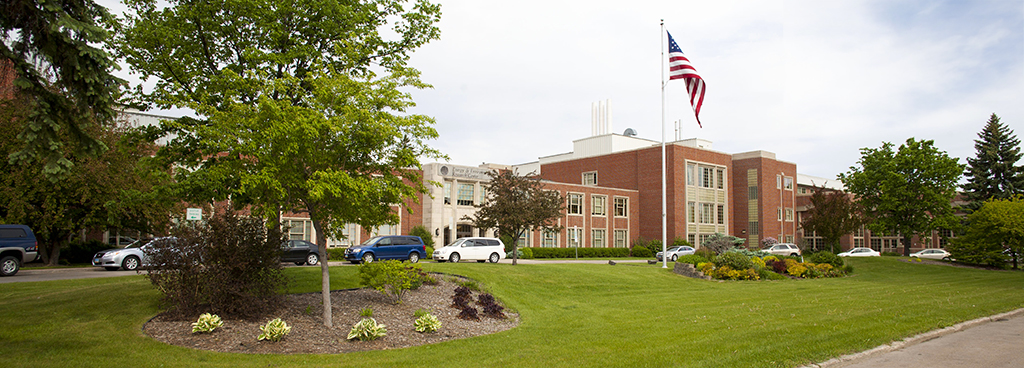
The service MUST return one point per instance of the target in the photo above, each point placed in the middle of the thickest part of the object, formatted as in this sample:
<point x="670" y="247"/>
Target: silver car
<point x="130" y="257"/>
<point x="932" y="254"/>
<point x="676" y="252"/>
<point x="783" y="249"/>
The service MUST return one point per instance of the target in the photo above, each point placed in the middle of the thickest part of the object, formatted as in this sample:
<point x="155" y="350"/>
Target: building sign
<point x="194" y="214"/>
<point x="464" y="172"/>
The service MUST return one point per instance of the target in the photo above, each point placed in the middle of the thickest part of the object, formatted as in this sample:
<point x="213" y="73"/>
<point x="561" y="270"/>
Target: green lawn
<point x="573" y="315"/>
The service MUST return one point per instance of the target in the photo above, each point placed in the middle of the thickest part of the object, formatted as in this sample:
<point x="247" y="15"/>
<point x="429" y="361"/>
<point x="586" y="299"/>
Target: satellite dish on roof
<point x="629" y="132"/>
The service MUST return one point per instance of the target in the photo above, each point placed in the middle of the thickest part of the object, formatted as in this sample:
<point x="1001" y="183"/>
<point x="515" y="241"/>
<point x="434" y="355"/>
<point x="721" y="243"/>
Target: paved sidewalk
<point x="989" y="342"/>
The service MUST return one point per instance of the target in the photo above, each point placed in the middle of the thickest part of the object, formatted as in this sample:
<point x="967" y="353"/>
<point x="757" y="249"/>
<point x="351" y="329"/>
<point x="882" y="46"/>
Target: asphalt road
<point x="29" y="275"/>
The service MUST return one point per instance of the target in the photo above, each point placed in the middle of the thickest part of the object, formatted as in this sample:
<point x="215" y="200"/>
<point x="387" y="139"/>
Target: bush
<point x="693" y="259"/>
<point x="641" y="252"/>
<point x="890" y="254"/>
<point x="490" y="306"/>
<point x="336" y="254"/>
<point x="706" y="253"/>
<point x="679" y="241"/>
<point x="734" y="260"/>
<point x="527" y="253"/>
<point x="275" y="330"/>
<point x="391" y="278"/>
<point x="82" y="252"/>
<point x="229" y="265"/>
<point x="827" y="257"/>
<point x="367" y="329"/>
<point x="580" y="252"/>
<point x="767" y="274"/>
<point x="423" y="233"/>
<point x="720" y="243"/>
<point x="207" y="323"/>
<point x="427" y="323"/>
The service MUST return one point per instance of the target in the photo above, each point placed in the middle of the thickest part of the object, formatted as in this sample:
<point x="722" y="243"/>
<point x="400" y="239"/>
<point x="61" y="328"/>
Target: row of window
<point x="465" y="194"/>
<point x="783" y="182"/>
<point x="598" y="238"/>
<point x="705" y="176"/>
<point x="598" y="205"/>
<point x="705" y="213"/>
<point x="789" y="214"/>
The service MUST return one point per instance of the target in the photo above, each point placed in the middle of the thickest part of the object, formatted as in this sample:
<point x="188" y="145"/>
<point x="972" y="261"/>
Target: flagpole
<point x="664" y="195"/>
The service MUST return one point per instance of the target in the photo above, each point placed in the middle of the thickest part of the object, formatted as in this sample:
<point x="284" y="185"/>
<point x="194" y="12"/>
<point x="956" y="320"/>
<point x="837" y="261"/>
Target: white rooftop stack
<point x="601" y="118"/>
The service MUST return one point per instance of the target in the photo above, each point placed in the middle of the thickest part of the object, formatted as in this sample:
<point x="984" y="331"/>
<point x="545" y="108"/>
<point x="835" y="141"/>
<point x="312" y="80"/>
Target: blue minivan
<point x="402" y="247"/>
<point x="18" y="245"/>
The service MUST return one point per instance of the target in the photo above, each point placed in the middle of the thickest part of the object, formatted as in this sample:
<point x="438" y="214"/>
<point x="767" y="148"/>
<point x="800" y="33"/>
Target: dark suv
<point x="17" y="246"/>
<point x="387" y="247"/>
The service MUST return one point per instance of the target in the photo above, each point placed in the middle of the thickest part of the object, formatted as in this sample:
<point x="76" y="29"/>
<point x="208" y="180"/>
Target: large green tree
<point x="516" y="204"/>
<point x="53" y="49"/>
<point x="301" y="104"/>
<point x="994" y="171"/>
<point x="120" y="188"/>
<point x="831" y="215"/>
<point x="994" y="228"/>
<point x="907" y="191"/>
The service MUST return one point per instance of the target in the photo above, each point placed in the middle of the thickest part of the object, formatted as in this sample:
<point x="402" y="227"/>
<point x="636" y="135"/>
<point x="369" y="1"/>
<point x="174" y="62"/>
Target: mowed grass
<point x="573" y="315"/>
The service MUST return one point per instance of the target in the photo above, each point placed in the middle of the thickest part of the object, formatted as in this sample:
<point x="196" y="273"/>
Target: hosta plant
<point x="207" y="323"/>
<point x="274" y="330"/>
<point x="427" y="323"/>
<point x="367" y="329"/>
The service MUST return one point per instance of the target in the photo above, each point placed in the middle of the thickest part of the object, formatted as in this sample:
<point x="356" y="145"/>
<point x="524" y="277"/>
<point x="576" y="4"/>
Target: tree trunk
<point x="906" y="245"/>
<point x="325" y="274"/>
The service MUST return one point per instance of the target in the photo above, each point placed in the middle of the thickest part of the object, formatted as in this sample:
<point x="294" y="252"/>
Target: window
<point x="597" y="238"/>
<point x="720" y="178"/>
<point x="778" y="211"/>
<point x="691" y="212"/>
<point x="465" y="195"/>
<point x="778" y="181"/>
<point x="597" y="205"/>
<point x="707" y="213"/>
<point x="704" y="238"/>
<point x="789" y="239"/>
<point x="621" y="207"/>
<point x="751" y="193"/>
<point x="590" y="178"/>
<point x="575" y="237"/>
<point x="550" y="239"/>
<point x="755" y="228"/>
<point x="721" y="214"/>
<point x="524" y="241"/>
<point x="788" y="183"/>
<point x="620" y="238"/>
<point x="575" y="206"/>
<point x="447" y="192"/>
<point x="692" y="239"/>
<point x="789" y="214"/>
<point x="299" y="229"/>
<point x="690" y="168"/>
<point x="707" y="177"/>
<point x="483" y="195"/>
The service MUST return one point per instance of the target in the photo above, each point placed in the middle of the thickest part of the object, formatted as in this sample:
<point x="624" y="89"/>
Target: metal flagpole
<point x="664" y="195"/>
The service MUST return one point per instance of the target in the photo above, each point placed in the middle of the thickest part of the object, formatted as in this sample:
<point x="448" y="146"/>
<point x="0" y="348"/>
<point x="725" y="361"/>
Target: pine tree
<point x="994" y="173"/>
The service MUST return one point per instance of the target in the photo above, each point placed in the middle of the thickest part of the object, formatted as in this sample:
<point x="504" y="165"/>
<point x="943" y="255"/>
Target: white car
<point x="477" y="249"/>
<point x="783" y="249"/>
<point x="676" y="252"/>
<point x="932" y="254"/>
<point x="860" y="252"/>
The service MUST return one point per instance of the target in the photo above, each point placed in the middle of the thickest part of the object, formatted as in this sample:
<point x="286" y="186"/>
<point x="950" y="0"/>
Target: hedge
<point x="583" y="252"/>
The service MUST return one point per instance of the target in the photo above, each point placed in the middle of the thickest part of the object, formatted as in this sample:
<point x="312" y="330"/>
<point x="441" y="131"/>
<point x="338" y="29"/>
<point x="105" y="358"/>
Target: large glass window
<point x="707" y="177"/>
<point x="575" y="205"/>
<point x="690" y="173"/>
<point x="720" y="178"/>
<point x="691" y="212"/>
<point x="550" y="239"/>
<point x="465" y="195"/>
<point x="597" y="238"/>
<point x="707" y="213"/>
<point x="721" y="214"/>
<point x="447" y="192"/>
<point x="621" y="237"/>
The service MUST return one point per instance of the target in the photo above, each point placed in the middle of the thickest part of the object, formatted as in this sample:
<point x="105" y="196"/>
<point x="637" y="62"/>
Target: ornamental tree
<point x="516" y="204"/>
<point x="994" y="228"/>
<point x="831" y="215"/>
<point x="52" y="49"/>
<point x="994" y="172"/>
<point x="907" y="191"/>
<point x="301" y="104"/>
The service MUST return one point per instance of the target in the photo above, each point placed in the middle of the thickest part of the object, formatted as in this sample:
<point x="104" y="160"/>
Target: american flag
<point x="679" y="68"/>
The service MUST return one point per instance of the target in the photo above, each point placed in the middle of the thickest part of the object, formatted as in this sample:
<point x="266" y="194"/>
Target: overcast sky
<point x="812" y="81"/>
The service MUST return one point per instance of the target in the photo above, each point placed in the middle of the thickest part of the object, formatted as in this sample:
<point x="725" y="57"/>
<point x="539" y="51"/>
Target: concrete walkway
<point x="988" y="342"/>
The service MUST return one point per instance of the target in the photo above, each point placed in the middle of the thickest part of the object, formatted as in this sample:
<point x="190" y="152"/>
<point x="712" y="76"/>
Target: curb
<point x="910" y="341"/>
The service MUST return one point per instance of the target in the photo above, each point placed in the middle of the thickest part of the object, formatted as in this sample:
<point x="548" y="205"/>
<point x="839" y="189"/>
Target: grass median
<point x="573" y="315"/>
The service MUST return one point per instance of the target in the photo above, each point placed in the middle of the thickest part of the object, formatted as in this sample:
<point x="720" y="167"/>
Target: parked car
<point x="18" y="245"/>
<point x="932" y="254"/>
<point x="130" y="257"/>
<point x="676" y="252"/>
<point x="783" y="249"/>
<point x="402" y="247"/>
<point x="477" y="249"/>
<point x="301" y="252"/>
<point x="860" y="252"/>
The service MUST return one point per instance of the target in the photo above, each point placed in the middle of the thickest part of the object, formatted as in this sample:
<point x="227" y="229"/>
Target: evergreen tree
<point x="994" y="173"/>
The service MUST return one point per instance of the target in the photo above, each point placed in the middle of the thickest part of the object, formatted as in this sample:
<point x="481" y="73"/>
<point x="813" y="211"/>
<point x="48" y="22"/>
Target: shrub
<point x="827" y="257"/>
<point x="229" y="265"/>
<point x="527" y="253"/>
<point x="641" y="252"/>
<point x="578" y="252"/>
<point x="490" y="306"/>
<point x="391" y="278"/>
<point x="367" y="329"/>
<point x="890" y="254"/>
<point x="758" y="263"/>
<point x="708" y="254"/>
<point x="719" y="243"/>
<point x="767" y="274"/>
<point x="679" y="241"/>
<point x="427" y="323"/>
<point x="469" y="313"/>
<point x="796" y="270"/>
<point x="207" y="323"/>
<point x="336" y="254"/>
<point x="274" y="330"/>
<point x="82" y="252"/>
<point x="693" y="259"/>
<point x="777" y="265"/>
<point x="420" y="313"/>
<point x="366" y="312"/>
<point x="734" y="260"/>
<point x="423" y="233"/>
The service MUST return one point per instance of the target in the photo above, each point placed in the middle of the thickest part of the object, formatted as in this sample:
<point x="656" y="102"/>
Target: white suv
<point x="783" y="249"/>
<point x="478" y="249"/>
